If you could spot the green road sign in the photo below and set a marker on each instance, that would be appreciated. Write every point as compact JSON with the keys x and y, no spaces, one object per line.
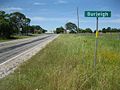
{"x":97,"y":13}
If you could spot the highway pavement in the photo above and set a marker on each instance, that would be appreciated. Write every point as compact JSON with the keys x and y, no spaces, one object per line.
{"x":11,"y":49}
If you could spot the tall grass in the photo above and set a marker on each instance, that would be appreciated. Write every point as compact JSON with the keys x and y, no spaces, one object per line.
{"x":67,"y":64}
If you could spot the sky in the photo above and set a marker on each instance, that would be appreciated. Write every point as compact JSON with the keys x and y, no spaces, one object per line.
{"x":50,"y":14}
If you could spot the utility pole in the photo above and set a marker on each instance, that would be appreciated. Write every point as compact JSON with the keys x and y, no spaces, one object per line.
{"x":77,"y":18}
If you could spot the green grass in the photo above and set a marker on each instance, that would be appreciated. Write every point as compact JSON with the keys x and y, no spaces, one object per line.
{"x":3,"y":40}
{"x":67,"y":64}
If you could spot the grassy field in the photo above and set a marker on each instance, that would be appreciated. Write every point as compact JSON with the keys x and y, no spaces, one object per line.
{"x":67,"y":64}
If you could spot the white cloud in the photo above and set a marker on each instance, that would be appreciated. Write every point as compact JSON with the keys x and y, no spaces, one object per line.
{"x":12,"y":9}
{"x":37,"y":3}
{"x":61,"y":2}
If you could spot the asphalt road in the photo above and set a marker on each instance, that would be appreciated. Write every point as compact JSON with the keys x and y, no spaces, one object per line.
{"x":9,"y":50}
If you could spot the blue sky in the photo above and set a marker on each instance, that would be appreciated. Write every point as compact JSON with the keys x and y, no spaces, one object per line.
{"x":50,"y":14}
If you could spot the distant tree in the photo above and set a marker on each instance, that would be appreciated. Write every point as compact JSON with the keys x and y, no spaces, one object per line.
{"x":32,"y":30}
{"x":104,"y":30}
{"x":108,"y":29}
{"x":71,"y":26}
{"x":100,"y":30}
{"x":44,"y":31}
{"x":60,"y":30}
{"x":2,"y":14}
{"x":115,"y":30}
{"x":37,"y":29}
{"x":26,"y":26}
{"x":18,"y":21}
{"x":5,"y":28}
{"x":79,"y":30}
{"x":94,"y":31}
{"x":88,"y":30}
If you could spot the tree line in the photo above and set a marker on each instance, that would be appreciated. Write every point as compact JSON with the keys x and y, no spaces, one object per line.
{"x":72,"y":28}
{"x":17,"y":23}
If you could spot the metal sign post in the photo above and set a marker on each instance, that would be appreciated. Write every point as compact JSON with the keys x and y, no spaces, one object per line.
{"x":97,"y":14}
{"x":96,"y":43}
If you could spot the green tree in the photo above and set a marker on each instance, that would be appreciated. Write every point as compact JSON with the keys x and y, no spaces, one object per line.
{"x":37,"y":29}
{"x":6,"y":29}
{"x":44,"y":31}
{"x":104,"y":30}
{"x":80,"y":30}
{"x":26,"y":26}
{"x":16,"y":23}
{"x":71,"y":26}
{"x":109,"y":29}
{"x":18,"y":20}
{"x":88,"y":30}
{"x":2,"y":14}
{"x":60,"y":30}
